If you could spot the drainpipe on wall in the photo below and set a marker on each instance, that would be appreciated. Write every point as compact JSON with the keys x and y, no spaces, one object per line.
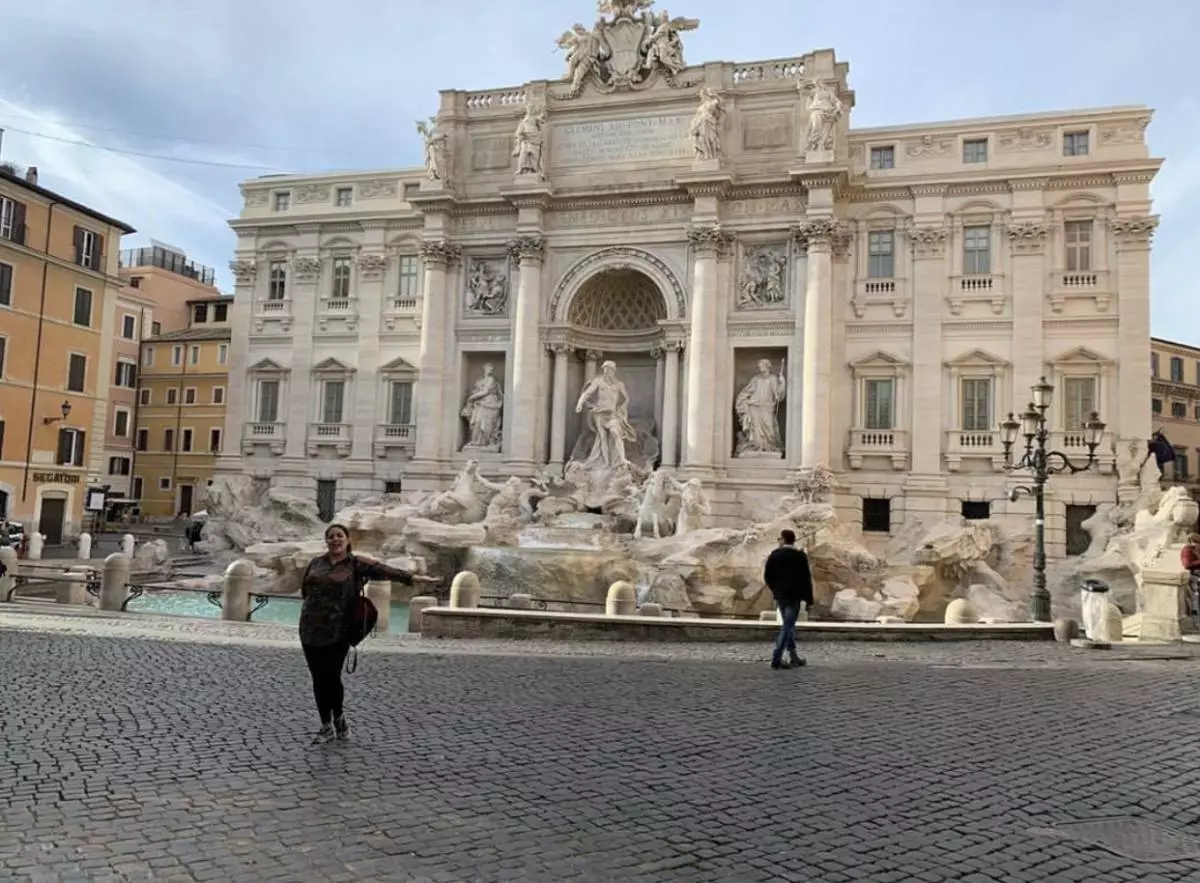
{"x":37,"y":359}
{"x":178,"y":440}
{"x":137,"y":402}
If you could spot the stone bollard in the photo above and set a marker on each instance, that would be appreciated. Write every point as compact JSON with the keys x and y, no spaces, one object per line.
{"x":72,"y":589}
{"x":379,"y":592}
{"x":1065,"y":630}
{"x":771,"y":616}
{"x":11,"y":567}
{"x":235,"y":591}
{"x":621,"y":599}
{"x":114,"y":586}
{"x":128,"y":545}
{"x":37,"y":542}
{"x":651,"y":609}
{"x":85,"y":546}
{"x":520,"y":601}
{"x":415,"y":607}
{"x":960,"y":612}
{"x":464,"y":590}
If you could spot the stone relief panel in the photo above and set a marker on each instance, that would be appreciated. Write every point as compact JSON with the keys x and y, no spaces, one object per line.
{"x":763,"y":278}
{"x":487,"y":287}
{"x":767,"y":131}
{"x":378,"y":188}
{"x":929,"y":147}
{"x":1026,"y":139}
{"x":482,"y":411}
{"x":490,"y":153}
{"x":311,"y":194}
{"x":1125,"y":133}
{"x":759,"y":405}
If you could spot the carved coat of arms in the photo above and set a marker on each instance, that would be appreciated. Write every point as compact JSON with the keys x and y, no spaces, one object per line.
{"x":628,"y":45}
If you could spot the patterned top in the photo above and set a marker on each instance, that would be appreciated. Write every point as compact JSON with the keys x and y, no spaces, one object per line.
{"x":329,"y":591}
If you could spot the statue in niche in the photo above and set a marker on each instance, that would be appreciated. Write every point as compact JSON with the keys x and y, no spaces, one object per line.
{"x":529,"y":140}
{"x":763,"y":275}
{"x":706,"y":126}
{"x":483,"y":411}
{"x":608,"y":417}
{"x":825,"y":109}
{"x":487,"y":289}
{"x":435,"y":149}
{"x":757,"y":408}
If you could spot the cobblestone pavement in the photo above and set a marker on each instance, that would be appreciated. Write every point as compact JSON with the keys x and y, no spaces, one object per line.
{"x":149,"y":754}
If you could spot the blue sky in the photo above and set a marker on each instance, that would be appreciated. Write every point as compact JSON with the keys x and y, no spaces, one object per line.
{"x":309,"y":85}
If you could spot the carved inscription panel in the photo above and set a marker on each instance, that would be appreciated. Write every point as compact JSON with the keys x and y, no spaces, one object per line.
{"x":491,"y":153}
{"x":608,"y":142}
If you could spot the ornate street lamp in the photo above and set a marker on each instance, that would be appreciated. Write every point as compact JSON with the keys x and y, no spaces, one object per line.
{"x":1042,"y":464}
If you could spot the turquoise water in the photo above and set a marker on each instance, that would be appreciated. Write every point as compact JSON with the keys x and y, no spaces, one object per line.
{"x":284,"y":611}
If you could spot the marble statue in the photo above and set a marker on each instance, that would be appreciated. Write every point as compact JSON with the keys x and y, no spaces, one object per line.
{"x":763,"y":273}
{"x":706,"y":126}
{"x":652,"y":502}
{"x":608,"y":416}
{"x":825,"y":109}
{"x":584,"y":50}
{"x":694,"y":508}
{"x":622,"y":8}
{"x":435,"y":149}
{"x":487,"y":288}
{"x":664,"y":46}
{"x":483,"y":410}
{"x":529,"y":138}
{"x":466,"y":501}
{"x":757,"y":408}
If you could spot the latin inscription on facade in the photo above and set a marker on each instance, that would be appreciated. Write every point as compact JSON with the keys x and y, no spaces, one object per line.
{"x":605,"y":142}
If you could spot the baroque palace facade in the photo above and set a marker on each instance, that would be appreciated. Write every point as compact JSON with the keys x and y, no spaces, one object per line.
{"x":775,"y":289}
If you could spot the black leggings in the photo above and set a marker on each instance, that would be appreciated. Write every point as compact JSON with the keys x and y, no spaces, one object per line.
{"x":325,"y":664}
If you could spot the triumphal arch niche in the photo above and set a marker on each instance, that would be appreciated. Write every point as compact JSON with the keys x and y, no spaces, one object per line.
{"x":660,"y":231}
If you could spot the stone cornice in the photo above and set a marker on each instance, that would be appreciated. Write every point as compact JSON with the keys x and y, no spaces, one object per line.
{"x":433,"y":201}
{"x":1018,"y":185}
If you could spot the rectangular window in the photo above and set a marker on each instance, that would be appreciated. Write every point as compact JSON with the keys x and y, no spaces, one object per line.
{"x":126,"y":375}
{"x":76,"y":372}
{"x":977,"y":251}
{"x":283,"y":201}
{"x":121,"y":423}
{"x":410,"y":276}
{"x":83,"y":308}
{"x":156,"y":328}
{"x":136,"y":487}
{"x":1154,"y":366}
{"x":129,"y":327}
{"x":883,"y":157}
{"x":214,"y":441}
{"x":878,"y":399}
{"x":147,"y":356}
{"x":1179,"y":409}
{"x":976,"y":510}
{"x":12,"y":220}
{"x":221,"y":313}
{"x":333,"y":396}
{"x":3,"y":506}
{"x":1075,"y":144}
{"x":881,"y":254}
{"x":1078,"y":238}
{"x":218,"y":395}
{"x":341,"y":278}
{"x":1079,"y":401}
{"x":176,"y":356}
{"x":185,"y":441}
{"x":3,"y":354}
{"x":1156,"y":406}
{"x":71,"y":443}
{"x":976,"y":404}
{"x":277,"y":280}
{"x":222,"y":353}
{"x":189,"y":395}
{"x":1198,"y":373}
{"x":876,"y":515}
{"x":975,"y":150}
{"x":393,"y":487}
{"x":172,"y":396}
{"x":168,"y":439}
{"x":268,"y":401}
{"x":194,"y":355}
{"x":1176,"y":369}
{"x":199,"y":314}
{"x":89,"y":248}
{"x":343,"y":196}
{"x":118,"y":465}
{"x":6,"y":277}
{"x":400,"y":407}
{"x":1182,"y":472}
{"x":142,"y":442}
{"x":164,"y":483}
{"x":144,"y":397}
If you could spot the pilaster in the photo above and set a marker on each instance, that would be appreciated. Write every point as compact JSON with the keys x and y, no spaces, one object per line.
{"x":305,"y":272}
{"x":371,"y":264}
{"x":1133,"y":236}
{"x":244,"y":268}
{"x":1028,"y":240}
{"x":927,"y":419}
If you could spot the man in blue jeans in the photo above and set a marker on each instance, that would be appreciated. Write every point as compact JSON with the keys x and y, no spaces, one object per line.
{"x":789,"y":578}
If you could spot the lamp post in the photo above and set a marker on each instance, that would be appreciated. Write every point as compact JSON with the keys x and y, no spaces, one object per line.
{"x":1042,"y":464}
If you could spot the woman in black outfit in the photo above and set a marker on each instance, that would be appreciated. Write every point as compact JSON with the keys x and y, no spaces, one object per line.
{"x":330,"y":589}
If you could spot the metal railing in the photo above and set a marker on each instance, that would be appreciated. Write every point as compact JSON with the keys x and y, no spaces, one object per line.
{"x":171,"y":261}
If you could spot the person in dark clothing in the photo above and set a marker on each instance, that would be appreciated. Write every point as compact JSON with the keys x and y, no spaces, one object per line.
{"x":789,"y":578}
{"x":329,"y":590}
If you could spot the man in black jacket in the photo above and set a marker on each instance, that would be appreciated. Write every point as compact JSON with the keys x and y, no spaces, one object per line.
{"x":789,"y":578}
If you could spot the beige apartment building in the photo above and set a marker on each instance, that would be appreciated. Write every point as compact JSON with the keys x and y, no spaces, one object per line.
{"x":1175,"y":405}
{"x":160,"y":287}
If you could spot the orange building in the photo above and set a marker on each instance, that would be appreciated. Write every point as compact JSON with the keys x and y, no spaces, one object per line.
{"x":182,"y":386}
{"x":58,"y":300}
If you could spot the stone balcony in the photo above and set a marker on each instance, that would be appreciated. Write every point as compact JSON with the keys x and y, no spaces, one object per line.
{"x":272,"y":435}
{"x":394,"y":437}
{"x":1094,"y":285}
{"x":987,"y":288}
{"x":329,"y":435}
{"x":974,"y":445}
{"x":337,"y":314}
{"x":886,"y":292}
{"x":273,"y":314}
{"x":886,"y":444}
{"x":400,"y":308}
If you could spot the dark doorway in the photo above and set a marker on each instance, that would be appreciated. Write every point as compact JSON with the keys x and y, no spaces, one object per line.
{"x":326,"y":495}
{"x":3,"y":504}
{"x":50,"y":522}
{"x":185,"y":499}
{"x":1078,"y":539}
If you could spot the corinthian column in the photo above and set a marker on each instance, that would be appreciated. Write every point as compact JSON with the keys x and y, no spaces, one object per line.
{"x":670,"y":406}
{"x":707,"y":244}
{"x":558,"y":406}
{"x":821,"y":236}
{"x":528,"y":251}
{"x":431,"y":393}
